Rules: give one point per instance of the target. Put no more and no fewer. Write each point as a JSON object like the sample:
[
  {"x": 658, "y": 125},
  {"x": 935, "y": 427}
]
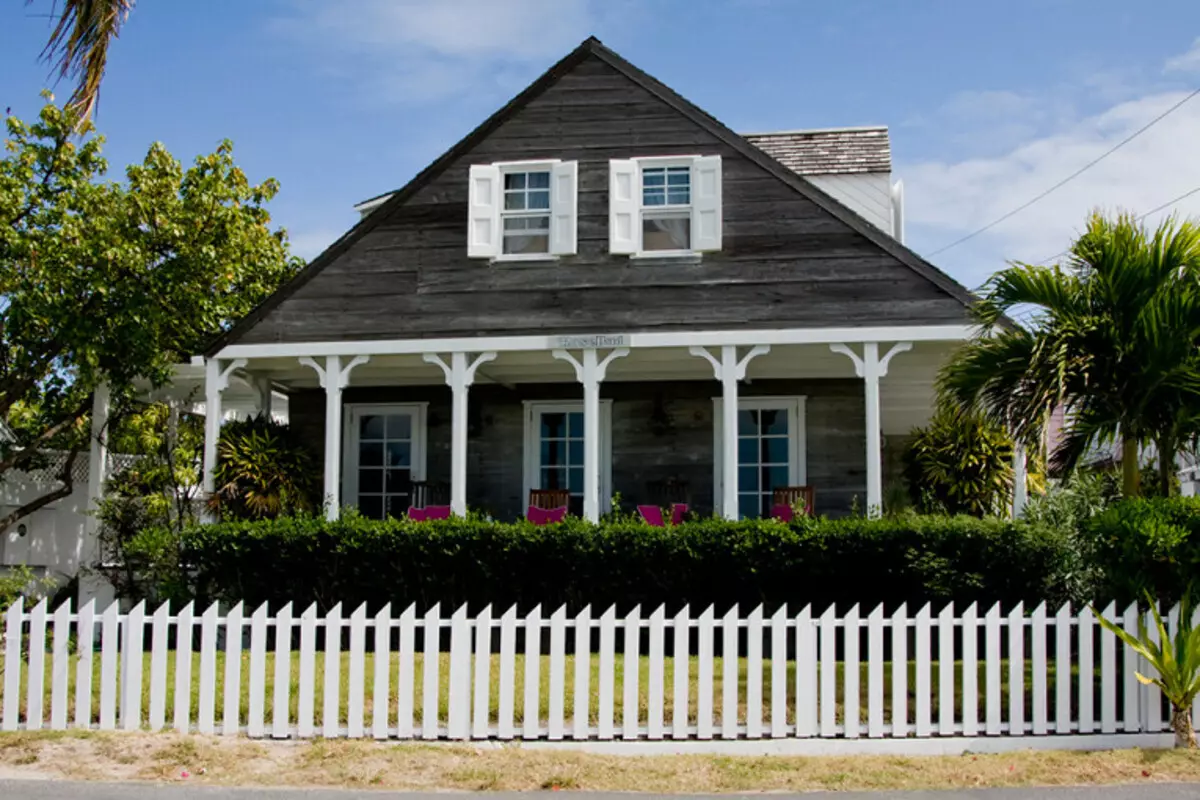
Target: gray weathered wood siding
[
  {"x": 641, "y": 453},
  {"x": 785, "y": 262}
]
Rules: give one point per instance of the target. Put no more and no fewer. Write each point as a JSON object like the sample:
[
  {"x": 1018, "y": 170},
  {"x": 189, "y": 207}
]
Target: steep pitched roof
[
  {"x": 830, "y": 151},
  {"x": 593, "y": 47}
]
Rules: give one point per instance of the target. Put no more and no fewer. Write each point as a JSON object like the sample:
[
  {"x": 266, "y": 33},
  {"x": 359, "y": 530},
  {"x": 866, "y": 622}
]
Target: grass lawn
[
  {"x": 544, "y": 670},
  {"x": 409, "y": 766}
]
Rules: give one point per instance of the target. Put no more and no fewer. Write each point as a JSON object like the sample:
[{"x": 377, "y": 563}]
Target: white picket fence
[{"x": 795, "y": 676}]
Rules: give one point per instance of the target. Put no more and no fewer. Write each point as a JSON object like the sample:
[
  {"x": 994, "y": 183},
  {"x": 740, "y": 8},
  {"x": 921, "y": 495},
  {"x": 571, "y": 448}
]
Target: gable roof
[
  {"x": 828, "y": 151},
  {"x": 592, "y": 47}
]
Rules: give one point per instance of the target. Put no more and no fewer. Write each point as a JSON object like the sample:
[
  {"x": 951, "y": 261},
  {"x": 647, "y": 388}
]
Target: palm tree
[
  {"x": 78, "y": 46},
  {"x": 1113, "y": 336}
]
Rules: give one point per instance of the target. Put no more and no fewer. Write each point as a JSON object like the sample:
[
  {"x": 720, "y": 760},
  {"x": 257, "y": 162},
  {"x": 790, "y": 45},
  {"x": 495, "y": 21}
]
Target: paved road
[{"x": 57, "y": 790}]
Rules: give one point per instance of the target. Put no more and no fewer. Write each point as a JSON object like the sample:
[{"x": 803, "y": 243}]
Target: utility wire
[{"x": 1069, "y": 178}]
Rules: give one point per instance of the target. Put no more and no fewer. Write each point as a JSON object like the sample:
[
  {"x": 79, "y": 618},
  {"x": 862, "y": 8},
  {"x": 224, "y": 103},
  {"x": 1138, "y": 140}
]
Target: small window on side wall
[
  {"x": 665, "y": 206},
  {"x": 522, "y": 210}
]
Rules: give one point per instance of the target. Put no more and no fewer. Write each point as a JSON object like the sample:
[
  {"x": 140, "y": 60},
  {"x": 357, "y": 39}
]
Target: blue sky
[{"x": 988, "y": 104}]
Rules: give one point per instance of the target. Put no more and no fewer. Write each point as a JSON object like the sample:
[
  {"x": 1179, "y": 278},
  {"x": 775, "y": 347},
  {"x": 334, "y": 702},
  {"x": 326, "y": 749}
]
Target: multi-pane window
[
  {"x": 560, "y": 454},
  {"x": 764, "y": 455},
  {"x": 384, "y": 471},
  {"x": 666, "y": 208},
  {"x": 525, "y": 215}
]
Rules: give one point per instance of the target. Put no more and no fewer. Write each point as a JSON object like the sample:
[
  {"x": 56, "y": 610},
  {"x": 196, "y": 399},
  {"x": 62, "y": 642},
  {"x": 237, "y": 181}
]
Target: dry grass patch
[{"x": 368, "y": 764}]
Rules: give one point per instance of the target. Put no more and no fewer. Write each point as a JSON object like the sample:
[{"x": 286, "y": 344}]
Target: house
[{"x": 605, "y": 290}]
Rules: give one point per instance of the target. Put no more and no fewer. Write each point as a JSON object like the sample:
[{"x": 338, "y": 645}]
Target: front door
[
  {"x": 554, "y": 450},
  {"x": 385, "y": 453}
]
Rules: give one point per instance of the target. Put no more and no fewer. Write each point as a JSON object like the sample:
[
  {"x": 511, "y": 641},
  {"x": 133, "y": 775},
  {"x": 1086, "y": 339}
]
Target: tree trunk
[
  {"x": 1131, "y": 477},
  {"x": 1166, "y": 465},
  {"x": 1181, "y": 721}
]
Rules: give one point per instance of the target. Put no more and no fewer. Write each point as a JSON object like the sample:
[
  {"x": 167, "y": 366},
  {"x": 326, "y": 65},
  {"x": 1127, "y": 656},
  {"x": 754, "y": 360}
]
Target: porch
[{"x": 714, "y": 419}]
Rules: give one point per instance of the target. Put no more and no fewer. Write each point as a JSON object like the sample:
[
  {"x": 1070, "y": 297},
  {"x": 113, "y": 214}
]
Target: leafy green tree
[
  {"x": 1114, "y": 337},
  {"x": 106, "y": 282}
]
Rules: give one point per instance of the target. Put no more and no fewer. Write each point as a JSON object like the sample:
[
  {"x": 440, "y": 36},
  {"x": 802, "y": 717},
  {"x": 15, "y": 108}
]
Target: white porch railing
[{"x": 796, "y": 675}]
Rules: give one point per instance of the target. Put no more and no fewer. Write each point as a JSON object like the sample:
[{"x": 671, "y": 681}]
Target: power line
[{"x": 1069, "y": 178}]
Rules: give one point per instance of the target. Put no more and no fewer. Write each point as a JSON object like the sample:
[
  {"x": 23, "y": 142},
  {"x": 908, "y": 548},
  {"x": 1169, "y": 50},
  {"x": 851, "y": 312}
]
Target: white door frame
[
  {"x": 797, "y": 435},
  {"x": 350, "y": 416}
]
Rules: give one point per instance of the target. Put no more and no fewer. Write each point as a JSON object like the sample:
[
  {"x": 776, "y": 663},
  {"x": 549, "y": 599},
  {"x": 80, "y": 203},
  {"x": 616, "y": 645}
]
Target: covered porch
[{"x": 716, "y": 420}]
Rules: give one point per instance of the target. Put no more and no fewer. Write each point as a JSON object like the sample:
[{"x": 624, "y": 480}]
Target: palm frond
[{"x": 78, "y": 46}]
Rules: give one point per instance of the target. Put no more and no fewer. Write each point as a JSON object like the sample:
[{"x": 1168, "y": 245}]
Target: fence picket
[
  {"x": 331, "y": 701},
  {"x": 729, "y": 674},
  {"x": 280, "y": 699},
  {"x": 806, "y": 674},
  {"x": 85, "y": 643},
  {"x": 14, "y": 620},
  {"x": 606, "y": 689},
  {"x": 558, "y": 670},
  {"x": 1087, "y": 717},
  {"x": 851, "y": 676},
  {"x": 382, "y": 664},
  {"x": 1151, "y": 695},
  {"x": 1132, "y": 713},
  {"x": 704, "y": 674},
  {"x": 899, "y": 668},
  {"x": 829, "y": 672},
  {"x": 583, "y": 674},
  {"x": 233, "y": 669},
  {"x": 533, "y": 678},
  {"x": 1037, "y": 632},
  {"x": 184, "y": 629},
  {"x": 924, "y": 678},
  {"x": 681, "y": 664},
  {"x": 307, "y": 669},
  {"x": 458, "y": 719},
  {"x": 1062, "y": 669},
  {"x": 131, "y": 667},
  {"x": 970, "y": 671},
  {"x": 206, "y": 708},
  {"x": 656, "y": 694},
  {"x": 483, "y": 674},
  {"x": 875, "y": 673},
  {"x": 60, "y": 667},
  {"x": 1016, "y": 670},
  {"x": 34, "y": 711},
  {"x": 109, "y": 628},
  {"x": 406, "y": 675},
  {"x": 945, "y": 637},
  {"x": 508, "y": 671},
  {"x": 629, "y": 701},
  {"x": 754, "y": 688},
  {"x": 993, "y": 703},
  {"x": 779, "y": 676},
  {"x": 356, "y": 671},
  {"x": 160, "y": 633},
  {"x": 256, "y": 677},
  {"x": 1108, "y": 674}
]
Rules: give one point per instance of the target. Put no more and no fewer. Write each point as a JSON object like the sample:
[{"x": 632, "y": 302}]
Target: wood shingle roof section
[{"x": 828, "y": 151}]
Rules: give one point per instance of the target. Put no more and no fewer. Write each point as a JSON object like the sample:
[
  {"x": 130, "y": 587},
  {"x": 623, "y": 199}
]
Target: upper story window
[
  {"x": 665, "y": 205},
  {"x": 524, "y": 210}
]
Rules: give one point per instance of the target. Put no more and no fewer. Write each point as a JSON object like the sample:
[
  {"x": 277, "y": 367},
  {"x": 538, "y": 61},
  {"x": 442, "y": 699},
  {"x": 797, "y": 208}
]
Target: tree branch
[{"x": 65, "y": 490}]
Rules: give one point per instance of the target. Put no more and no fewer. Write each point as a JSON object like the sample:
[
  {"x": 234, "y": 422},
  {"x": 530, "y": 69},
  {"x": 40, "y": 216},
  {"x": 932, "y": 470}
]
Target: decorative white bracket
[
  {"x": 460, "y": 371},
  {"x": 739, "y": 366},
  {"x": 598, "y": 368},
  {"x": 334, "y": 363},
  {"x": 870, "y": 362},
  {"x": 223, "y": 375}
]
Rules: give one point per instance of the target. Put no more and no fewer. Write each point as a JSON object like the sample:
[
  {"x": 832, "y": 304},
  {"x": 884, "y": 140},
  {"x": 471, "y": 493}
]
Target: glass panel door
[
  {"x": 560, "y": 453},
  {"x": 764, "y": 448},
  {"x": 385, "y": 445}
]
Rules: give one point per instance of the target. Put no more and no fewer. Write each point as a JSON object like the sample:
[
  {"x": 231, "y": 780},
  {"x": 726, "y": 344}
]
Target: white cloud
[
  {"x": 1186, "y": 62},
  {"x": 948, "y": 198}
]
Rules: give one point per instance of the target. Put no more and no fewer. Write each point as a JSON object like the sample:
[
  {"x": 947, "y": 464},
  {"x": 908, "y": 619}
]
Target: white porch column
[
  {"x": 334, "y": 378},
  {"x": 1020, "y": 485},
  {"x": 266, "y": 396},
  {"x": 97, "y": 453},
  {"x": 729, "y": 370},
  {"x": 871, "y": 368},
  {"x": 460, "y": 374},
  {"x": 590, "y": 373},
  {"x": 216, "y": 380}
]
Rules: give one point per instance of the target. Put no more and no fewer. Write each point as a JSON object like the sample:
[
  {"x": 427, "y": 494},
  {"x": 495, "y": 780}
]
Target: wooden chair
[
  {"x": 424, "y": 494},
  {"x": 669, "y": 492},
  {"x": 795, "y": 495},
  {"x": 549, "y": 499}
]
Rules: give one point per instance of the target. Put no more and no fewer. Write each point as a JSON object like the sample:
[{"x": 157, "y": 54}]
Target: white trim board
[{"x": 916, "y": 333}]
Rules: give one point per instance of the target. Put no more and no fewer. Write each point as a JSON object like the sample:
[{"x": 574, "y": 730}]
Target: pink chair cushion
[
  {"x": 678, "y": 513},
  {"x": 416, "y": 514},
  {"x": 652, "y": 515},
  {"x": 556, "y": 515},
  {"x": 782, "y": 512},
  {"x": 538, "y": 516},
  {"x": 437, "y": 512}
]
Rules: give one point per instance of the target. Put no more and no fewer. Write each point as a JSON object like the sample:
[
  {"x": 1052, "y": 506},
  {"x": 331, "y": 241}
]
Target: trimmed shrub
[
  {"x": 910, "y": 559},
  {"x": 1145, "y": 545}
]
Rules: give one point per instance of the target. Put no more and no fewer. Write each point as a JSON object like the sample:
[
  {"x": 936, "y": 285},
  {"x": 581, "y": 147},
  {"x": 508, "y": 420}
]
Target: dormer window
[
  {"x": 522, "y": 210},
  {"x": 663, "y": 206}
]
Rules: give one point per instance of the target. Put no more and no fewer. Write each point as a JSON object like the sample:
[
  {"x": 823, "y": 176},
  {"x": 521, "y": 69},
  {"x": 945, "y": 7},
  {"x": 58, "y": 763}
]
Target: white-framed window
[
  {"x": 665, "y": 205},
  {"x": 554, "y": 450},
  {"x": 522, "y": 210},
  {"x": 771, "y": 451},
  {"x": 383, "y": 453}
]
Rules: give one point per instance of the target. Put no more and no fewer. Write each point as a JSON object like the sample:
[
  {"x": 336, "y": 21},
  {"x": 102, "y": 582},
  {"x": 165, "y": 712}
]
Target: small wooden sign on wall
[{"x": 595, "y": 340}]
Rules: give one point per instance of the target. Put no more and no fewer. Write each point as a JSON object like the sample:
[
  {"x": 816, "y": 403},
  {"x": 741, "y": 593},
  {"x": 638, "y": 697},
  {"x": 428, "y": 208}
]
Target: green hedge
[
  {"x": 911, "y": 559},
  {"x": 1145, "y": 545}
]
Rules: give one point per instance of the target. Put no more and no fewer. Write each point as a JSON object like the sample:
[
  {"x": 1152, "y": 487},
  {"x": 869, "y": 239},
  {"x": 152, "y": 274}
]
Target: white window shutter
[
  {"x": 706, "y": 203},
  {"x": 563, "y": 207},
  {"x": 623, "y": 203},
  {"x": 483, "y": 212}
]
